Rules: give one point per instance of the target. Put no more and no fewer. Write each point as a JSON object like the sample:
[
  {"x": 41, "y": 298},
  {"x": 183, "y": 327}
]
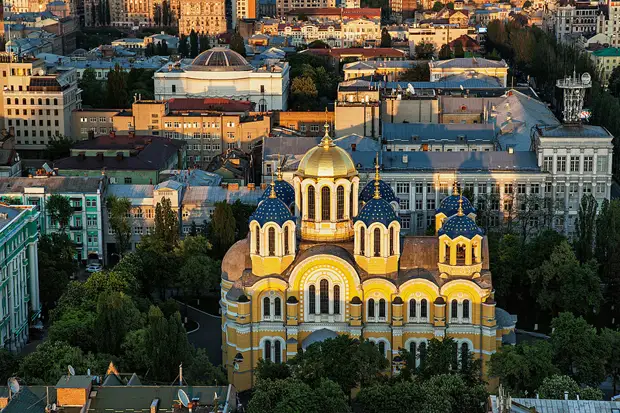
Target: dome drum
[{"x": 220, "y": 59}]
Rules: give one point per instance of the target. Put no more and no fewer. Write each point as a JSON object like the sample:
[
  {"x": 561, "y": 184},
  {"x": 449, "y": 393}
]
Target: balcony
[
  {"x": 76, "y": 227},
  {"x": 77, "y": 208}
]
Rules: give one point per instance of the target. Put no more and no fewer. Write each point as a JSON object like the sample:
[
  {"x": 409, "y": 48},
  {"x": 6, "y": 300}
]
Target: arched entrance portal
[{"x": 318, "y": 336}]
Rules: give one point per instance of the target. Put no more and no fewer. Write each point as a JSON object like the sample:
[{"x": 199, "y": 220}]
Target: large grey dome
[{"x": 220, "y": 59}]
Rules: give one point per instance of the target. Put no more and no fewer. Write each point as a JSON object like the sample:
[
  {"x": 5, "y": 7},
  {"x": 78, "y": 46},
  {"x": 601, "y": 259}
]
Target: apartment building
[
  {"x": 205, "y": 17},
  {"x": 438, "y": 35},
  {"x": 87, "y": 196},
  {"x": 307, "y": 123},
  {"x": 37, "y": 105},
  {"x": 606, "y": 60},
  {"x": 19, "y": 274},
  {"x": 209, "y": 126},
  {"x": 576, "y": 20},
  {"x": 88, "y": 123}
]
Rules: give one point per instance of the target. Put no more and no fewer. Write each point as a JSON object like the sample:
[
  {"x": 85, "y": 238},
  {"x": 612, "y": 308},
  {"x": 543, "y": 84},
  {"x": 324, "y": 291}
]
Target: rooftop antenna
[{"x": 183, "y": 397}]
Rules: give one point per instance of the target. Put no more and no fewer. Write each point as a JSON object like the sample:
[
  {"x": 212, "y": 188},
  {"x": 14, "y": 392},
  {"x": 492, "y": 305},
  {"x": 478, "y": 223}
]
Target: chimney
[
  {"x": 565, "y": 395},
  {"x": 132, "y": 134},
  {"x": 154, "y": 406}
]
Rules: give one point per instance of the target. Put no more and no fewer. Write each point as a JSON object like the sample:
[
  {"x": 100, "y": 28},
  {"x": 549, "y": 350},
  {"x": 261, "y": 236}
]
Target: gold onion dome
[{"x": 326, "y": 160}]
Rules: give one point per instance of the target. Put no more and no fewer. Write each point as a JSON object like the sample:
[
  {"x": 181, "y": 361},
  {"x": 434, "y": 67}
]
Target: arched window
[
  {"x": 272, "y": 241},
  {"x": 423, "y": 309},
  {"x": 382, "y": 348},
  {"x": 412, "y": 348},
  {"x": 286, "y": 243},
  {"x": 257, "y": 240},
  {"x": 454, "y": 309},
  {"x": 277, "y": 352},
  {"x": 325, "y": 204},
  {"x": 371, "y": 308},
  {"x": 336, "y": 299},
  {"x": 312, "y": 299},
  {"x": 311, "y": 199},
  {"x": 391, "y": 240},
  {"x": 40, "y": 101},
  {"x": 464, "y": 356},
  {"x": 23, "y": 101},
  {"x": 324, "y": 288},
  {"x": 340, "y": 202},
  {"x": 267, "y": 351},
  {"x": 47, "y": 102},
  {"x": 382, "y": 308},
  {"x": 262, "y": 105},
  {"x": 32, "y": 101},
  {"x": 277, "y": 310},
  {"x": 460, "y": 253},
  {"x": 362, "y": 241},
  {"x": 377, "y": 242},
  {"x": 422, "y": 354},
  {"x": 412, "y": 309},
  {"x": 466, "y": 309},
  {"x": 266, "y": 307}
]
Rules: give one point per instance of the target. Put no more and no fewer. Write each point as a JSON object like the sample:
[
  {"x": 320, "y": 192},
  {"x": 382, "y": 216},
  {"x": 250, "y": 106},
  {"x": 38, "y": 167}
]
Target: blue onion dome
[
  {"x": 272, "y": 209},
  {"x": 284, "y": 190},
  {"x": 377, "y": 209},
  {"x": 385, "y": 190},
  {"x": 450, "y": 205},
  {"x": 460, "y": 225}
]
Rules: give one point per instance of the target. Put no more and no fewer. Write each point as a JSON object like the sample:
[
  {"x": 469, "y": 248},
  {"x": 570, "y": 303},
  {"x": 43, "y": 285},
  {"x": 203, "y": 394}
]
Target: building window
[
  {"x": 312, "y": 299},
  {"x": 324, "y": 296},
  {"x": 325, "y": 203},
  {"x": 266, "y": 307},
  {"x": 174, "y": 88},
  {"x": 588, "y": 163},
  {"x": 424, "y": 309},
  {"x": 257, "y": 246},
  {"x": 286, "y": 242},
  {"x": 377, "y": 242},
  {"x": 277, "y": 351},
  {"x": 277, "y": 311},
  {"x": 267, "y": 352},
  {"x": 547, "y": 163},
  {"x": 382, "y": 308},
  {"x": 465, "y": 310},
  {"x": 412, "y": 309},
  {"x": 406, "y": 222},
  {"x": 464, "y": 355},
  {"x": 362, "y": 241},
  {"x": 574, "y": 163},
  {"x": 272, "y": 241},
  {"x": 454, "y": 310},
  {"x": 340, "y": 202},
  {"x": 601, "y": 164},
  {"x": 311, "y": 205},
  {"x": 336, "y": 299},
  {"x": 561, "y": 164},
  {"x": 382, "y": 348},
  {"x": 371, "y": 308},
  {"x": 127, "y": 180}
]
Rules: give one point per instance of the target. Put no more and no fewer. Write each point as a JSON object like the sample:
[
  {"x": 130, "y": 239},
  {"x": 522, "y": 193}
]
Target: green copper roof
[{"x": 607, "y": 52}]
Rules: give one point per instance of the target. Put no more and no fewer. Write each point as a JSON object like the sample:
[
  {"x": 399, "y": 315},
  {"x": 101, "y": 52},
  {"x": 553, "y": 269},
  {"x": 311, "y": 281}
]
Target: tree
[
  {"x": 494, "y": 55},
  {"x": 117, "y": 91},
  {"x": 166, "y": 18},
  {"x": 556, "y": 386},
  {"x": 202, "y": 373},
  {"x": 445, "y": 52},
  {"x": 586, "y": 223},
  {"x": 418, "y": 73},
  {"x": 607, "y": 253},
  {"x": 9, "y": 363},
  {"x": 242, "y": 213},
  {"x": 450, "y": 6},
  {"x": 237, "y": 44},
  {"x": 166, "y": 345},
  {"x": 303, "y": 93},
  {"x": 222, "y": 228},
  {"x": 268, "y": 370},
  {"x": 56, "y": 265},
  {"x": 58, "y": 147},
  {"x": 134, "y": 353},
  {"x": 578, "y": 351},
  {"x": 611, "y": 339},
  {"x": 166, "y": 223},
  {"x": 563, "y": 284},
  {"x": 458, "y": 49},
  {"x": 163, "y": 48},
  {"x": 59, "y": 210},
  {"x": 199, "y": 274},
  {"x": 120, "y": 221},
  {"x": 437, "y": 6},
  {"x": 183, "y": 48},
  {"x": 76, "y": 326},
  {"x": 50, "y": 361},
  {"x": 318, "y": 44},
  {"x": 614, "y": 82},
  {"x": 424, "y": 50},
  {"x": 342, "y": 359},
  {"x": 522, "y": 368},
  {"x": 116, "y": 316},
  {"x": 193, "y": 44},
  {"x": 203, "y": 42},
  {"x": 386, "y": 39},
  {"x": 527, "y": 4}
]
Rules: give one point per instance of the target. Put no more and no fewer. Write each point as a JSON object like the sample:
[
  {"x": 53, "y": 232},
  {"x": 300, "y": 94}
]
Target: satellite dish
[
  {"x": 14, "y": 385},
  {"x": 71, "y": 370},
  {"x": 586, "y": 78},
  {"x": 183, "y": 397},
  {"x": 53, "y": 407}
]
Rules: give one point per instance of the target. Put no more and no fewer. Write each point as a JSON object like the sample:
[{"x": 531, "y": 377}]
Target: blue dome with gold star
[
  {"x": 271, "y": 209},
  {"x": 460, "y": 225},
  {"x": 385, "y": 190},
  {"x": 377, "y": 210},
  {"x": 284, "y": 191},
  {"x": 450, "y": 206}
]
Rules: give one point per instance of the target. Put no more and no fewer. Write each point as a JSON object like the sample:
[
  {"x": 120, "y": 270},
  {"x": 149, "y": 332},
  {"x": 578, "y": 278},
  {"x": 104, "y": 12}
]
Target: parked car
[{"x": 91, "y": 268}]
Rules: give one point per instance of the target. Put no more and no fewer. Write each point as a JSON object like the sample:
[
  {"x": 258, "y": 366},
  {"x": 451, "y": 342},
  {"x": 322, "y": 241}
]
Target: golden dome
[{"x": 326, "y": 160}]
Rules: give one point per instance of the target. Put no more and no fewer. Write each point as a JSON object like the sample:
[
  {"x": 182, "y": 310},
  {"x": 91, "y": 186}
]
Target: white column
[
  {"x": 34, "y": 276},
  {"x": 298, "y": 206}
]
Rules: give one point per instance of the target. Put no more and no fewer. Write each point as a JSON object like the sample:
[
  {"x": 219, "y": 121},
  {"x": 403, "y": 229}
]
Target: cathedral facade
[{"x": 324, "y": 258}]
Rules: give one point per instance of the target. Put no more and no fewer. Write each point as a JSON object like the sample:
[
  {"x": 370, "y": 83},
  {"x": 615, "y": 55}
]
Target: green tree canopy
[
  {"x": 166, "y": 223},
  {"x": 386, "y": 39},
  {"x": 445, "y": 52},
  {"x": 586, "y": 225},
  {"x": 202, "y": 373},
  {"x": 117, "y": 90},
  {"x": 611, "y": 341},
  {"x": 237, "y": 44},
  {"x": 303, "y": 92},
  {"x": 92, "y": 88},
  {"x": 58, "y": 147},
  {"x": 458, "y": 49},
  {"x": 554, "y": 387},
  {"x": 223, "y": 226},
  {"x": 437, "y": 6},
  {"x": 116, "y": 316},
  {"x": 119, "y": 210},
  {"x": 56, "y": 265},
  {"x": 424, "y": 50},
  {"x": 60, "y": 210},
  {"x": 418, "y": 73}
]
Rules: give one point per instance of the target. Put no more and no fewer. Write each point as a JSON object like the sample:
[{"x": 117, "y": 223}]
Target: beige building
[
  {"x": 206, "y": 17},
  {"x": 37, "y": 105},
  {"x": 441, "y": 69},
  {"x": 207, "y": 132},
  {"x": 97, "y": 121},
  {"x": 437, "y": 35}
]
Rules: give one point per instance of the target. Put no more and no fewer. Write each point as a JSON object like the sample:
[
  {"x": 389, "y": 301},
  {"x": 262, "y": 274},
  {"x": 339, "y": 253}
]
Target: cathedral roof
[
  {"x": 377, "y": 210},
  {"x": 460, "y": 225},
  {"x": 272, "y": 209},
  {"x": 221, "y": 59},
  {"x": 284, "y": 191},
  {"x": 326, "y": 160},
  {"x": 450, "y": 206},
  {"x": 384, "y": 189}
]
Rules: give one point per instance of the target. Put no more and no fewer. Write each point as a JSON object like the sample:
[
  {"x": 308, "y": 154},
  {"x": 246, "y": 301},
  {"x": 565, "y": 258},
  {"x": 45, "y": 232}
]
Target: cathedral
[{"x": 324, "y": 258}]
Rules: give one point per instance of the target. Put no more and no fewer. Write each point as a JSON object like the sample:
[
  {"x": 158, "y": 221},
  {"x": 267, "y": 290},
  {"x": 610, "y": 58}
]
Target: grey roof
[
  {"x": 565, "y": 406},
  {"x": 468, "y": 63},
  {"x": 575, "y": 131},
  {"x": 52, "y": 184},
  {"x": 209, "y": 195},
  {"x": 10, "y": 212},
  {"x": 130, "y": 190},
  {"x": 449, "y": 161},
  {"x": 170, "y": 184},
  {"x": 504, "y": 318},
  {"x": 510, "y": 338},
  {"x": 25, "y": 401},
  {"x": 395, "y": 133},
  {"x": 473, "y": 83},
  {"x": 73, "y": 382},
  {"x": 193, "y": 177}
]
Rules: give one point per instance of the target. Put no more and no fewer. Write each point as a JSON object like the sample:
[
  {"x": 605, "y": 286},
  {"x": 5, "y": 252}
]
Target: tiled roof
[
  {"x": 385, "y": 190},
  {"x": 377, "y": 210},
  {"x": 271, "y": 210},
  {"x": 460, "y": 225}
]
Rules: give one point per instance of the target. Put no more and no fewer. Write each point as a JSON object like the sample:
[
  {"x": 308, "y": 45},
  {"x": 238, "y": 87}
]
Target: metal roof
[
  {"x": 468, "y": 63},
  {"x": 395, "y": 133}
]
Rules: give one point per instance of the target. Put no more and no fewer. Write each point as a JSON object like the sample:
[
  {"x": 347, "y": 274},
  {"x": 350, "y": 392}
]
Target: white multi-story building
[
  {"x": 346, "y": 33},
  {"x": 19, "y": 274},
  {"x": 221, "y": 72},
  {"x": 575, "y": 21}
]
